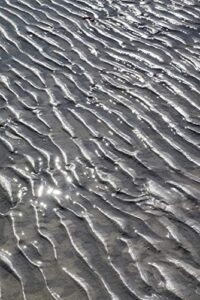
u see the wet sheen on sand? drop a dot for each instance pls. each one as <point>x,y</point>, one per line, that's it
<point>99,150</point>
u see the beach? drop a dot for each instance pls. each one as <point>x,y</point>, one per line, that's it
<point>99,150</point>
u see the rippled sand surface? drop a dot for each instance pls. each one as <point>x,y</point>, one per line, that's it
<point>99,149</point>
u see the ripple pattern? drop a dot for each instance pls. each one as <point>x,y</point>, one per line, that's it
<point>99,143</point>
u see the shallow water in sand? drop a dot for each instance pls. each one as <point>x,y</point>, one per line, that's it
<point>99,149</point>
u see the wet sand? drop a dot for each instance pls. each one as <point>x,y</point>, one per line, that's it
<point>99,150</point>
